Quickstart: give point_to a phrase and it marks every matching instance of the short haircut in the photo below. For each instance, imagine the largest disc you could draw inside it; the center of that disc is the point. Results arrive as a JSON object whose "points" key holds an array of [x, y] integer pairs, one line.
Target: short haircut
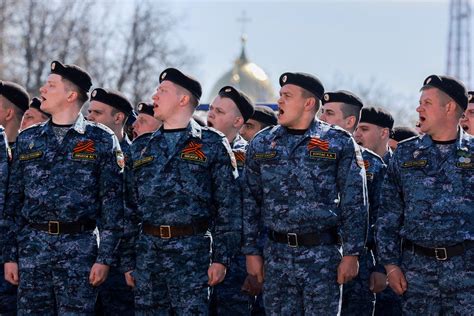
{"points": [[192, 99], [307, 94], [7, 104], [351, 110], [82, 96], [115, 111]]}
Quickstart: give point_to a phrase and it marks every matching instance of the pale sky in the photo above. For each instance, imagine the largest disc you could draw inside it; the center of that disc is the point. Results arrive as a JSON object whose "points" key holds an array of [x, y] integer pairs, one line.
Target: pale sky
{"points": [[397, 43]]}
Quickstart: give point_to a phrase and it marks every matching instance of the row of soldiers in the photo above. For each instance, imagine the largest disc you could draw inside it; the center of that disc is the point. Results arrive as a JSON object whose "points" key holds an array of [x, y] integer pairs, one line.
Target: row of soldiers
{"points": [[291, 206]]}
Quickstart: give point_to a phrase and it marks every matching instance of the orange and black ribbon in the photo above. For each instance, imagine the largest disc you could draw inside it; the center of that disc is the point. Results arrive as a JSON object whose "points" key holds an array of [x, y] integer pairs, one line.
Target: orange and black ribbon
{"points": [[318, 143], [84, 146], [194, 148]]}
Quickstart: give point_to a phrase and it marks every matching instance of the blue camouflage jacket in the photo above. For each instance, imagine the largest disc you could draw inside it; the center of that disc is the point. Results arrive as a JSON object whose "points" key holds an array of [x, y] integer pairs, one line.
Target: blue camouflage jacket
{"points": [[317, 184], [427, 197], [79, 179], [4, 160], [198, 181]]}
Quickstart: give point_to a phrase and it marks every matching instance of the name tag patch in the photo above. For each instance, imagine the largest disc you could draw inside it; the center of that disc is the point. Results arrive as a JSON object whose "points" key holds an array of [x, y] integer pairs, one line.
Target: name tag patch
{"points": [[465, 165], [321, 155], [414, 163], [193, 157], [84, 156], [264, 156], [31, 155], [141, 162]]}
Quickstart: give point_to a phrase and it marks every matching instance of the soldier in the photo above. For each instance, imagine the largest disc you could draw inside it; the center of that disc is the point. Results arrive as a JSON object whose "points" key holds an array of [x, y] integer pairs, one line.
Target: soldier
{"points": [[33, 115], [261, 118], [467, 119], [373, 131], [426, 209], [14, 101], [145, 122], [65, 180], [305, 180], [186, 179], [400, 133], [112, 109], [7, 291], [342, 108], [228, 112]]}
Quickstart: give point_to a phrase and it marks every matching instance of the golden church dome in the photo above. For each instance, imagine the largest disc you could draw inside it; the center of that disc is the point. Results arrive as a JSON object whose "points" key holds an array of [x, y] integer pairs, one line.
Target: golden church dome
{"points": [[248, 77]]}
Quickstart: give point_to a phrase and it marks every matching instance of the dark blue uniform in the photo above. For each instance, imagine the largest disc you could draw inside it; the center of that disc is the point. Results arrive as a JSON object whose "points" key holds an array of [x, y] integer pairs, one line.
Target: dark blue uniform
{"points": [[56, 187], [185, 180], [427, 201], [304, 184]]}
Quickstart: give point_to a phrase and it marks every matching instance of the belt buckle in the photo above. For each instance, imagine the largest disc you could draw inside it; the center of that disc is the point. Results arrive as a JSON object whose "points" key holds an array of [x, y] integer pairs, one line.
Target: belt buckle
{"points": [[443, 256], [165, 231], [53, 224], [292, 240]]}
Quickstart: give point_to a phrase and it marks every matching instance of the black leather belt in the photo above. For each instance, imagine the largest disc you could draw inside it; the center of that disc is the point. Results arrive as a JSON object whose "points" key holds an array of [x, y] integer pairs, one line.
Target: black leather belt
{"points": [[439, 253], [329, 237], [167, 231], [56, 228]]}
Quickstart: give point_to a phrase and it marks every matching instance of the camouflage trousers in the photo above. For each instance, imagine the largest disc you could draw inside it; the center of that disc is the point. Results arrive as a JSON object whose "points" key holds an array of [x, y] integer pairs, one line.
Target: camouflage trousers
{"points": [[438, 287], [301, 280], [357, 298], [227, 297], [54, 273], [7, 297], [115, 296], [171, 275], [388, 303]]}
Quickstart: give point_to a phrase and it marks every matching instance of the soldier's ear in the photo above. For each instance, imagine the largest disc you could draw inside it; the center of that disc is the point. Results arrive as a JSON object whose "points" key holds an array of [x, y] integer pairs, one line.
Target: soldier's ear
{"points": [[72, 96], [310, 104], [119, 118], [184, 99], [238, 121]]}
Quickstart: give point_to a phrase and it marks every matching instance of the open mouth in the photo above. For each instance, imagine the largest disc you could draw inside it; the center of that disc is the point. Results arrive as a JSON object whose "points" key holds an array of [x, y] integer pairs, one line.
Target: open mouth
{"points": [[209, 123], [465, 127], [422, 119]]}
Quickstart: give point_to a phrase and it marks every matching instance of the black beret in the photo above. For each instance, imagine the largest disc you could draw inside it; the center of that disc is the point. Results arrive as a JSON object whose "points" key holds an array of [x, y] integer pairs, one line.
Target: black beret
{"points": [[242, 101], [400, 133], [265, 115], [470, 97], [376, 116], [188, 83], [16, 94], [342, 96], [305, 81], [73, 73], [112, 98], [449, 85], [145, 108], [35, 103], [131, 118]]}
